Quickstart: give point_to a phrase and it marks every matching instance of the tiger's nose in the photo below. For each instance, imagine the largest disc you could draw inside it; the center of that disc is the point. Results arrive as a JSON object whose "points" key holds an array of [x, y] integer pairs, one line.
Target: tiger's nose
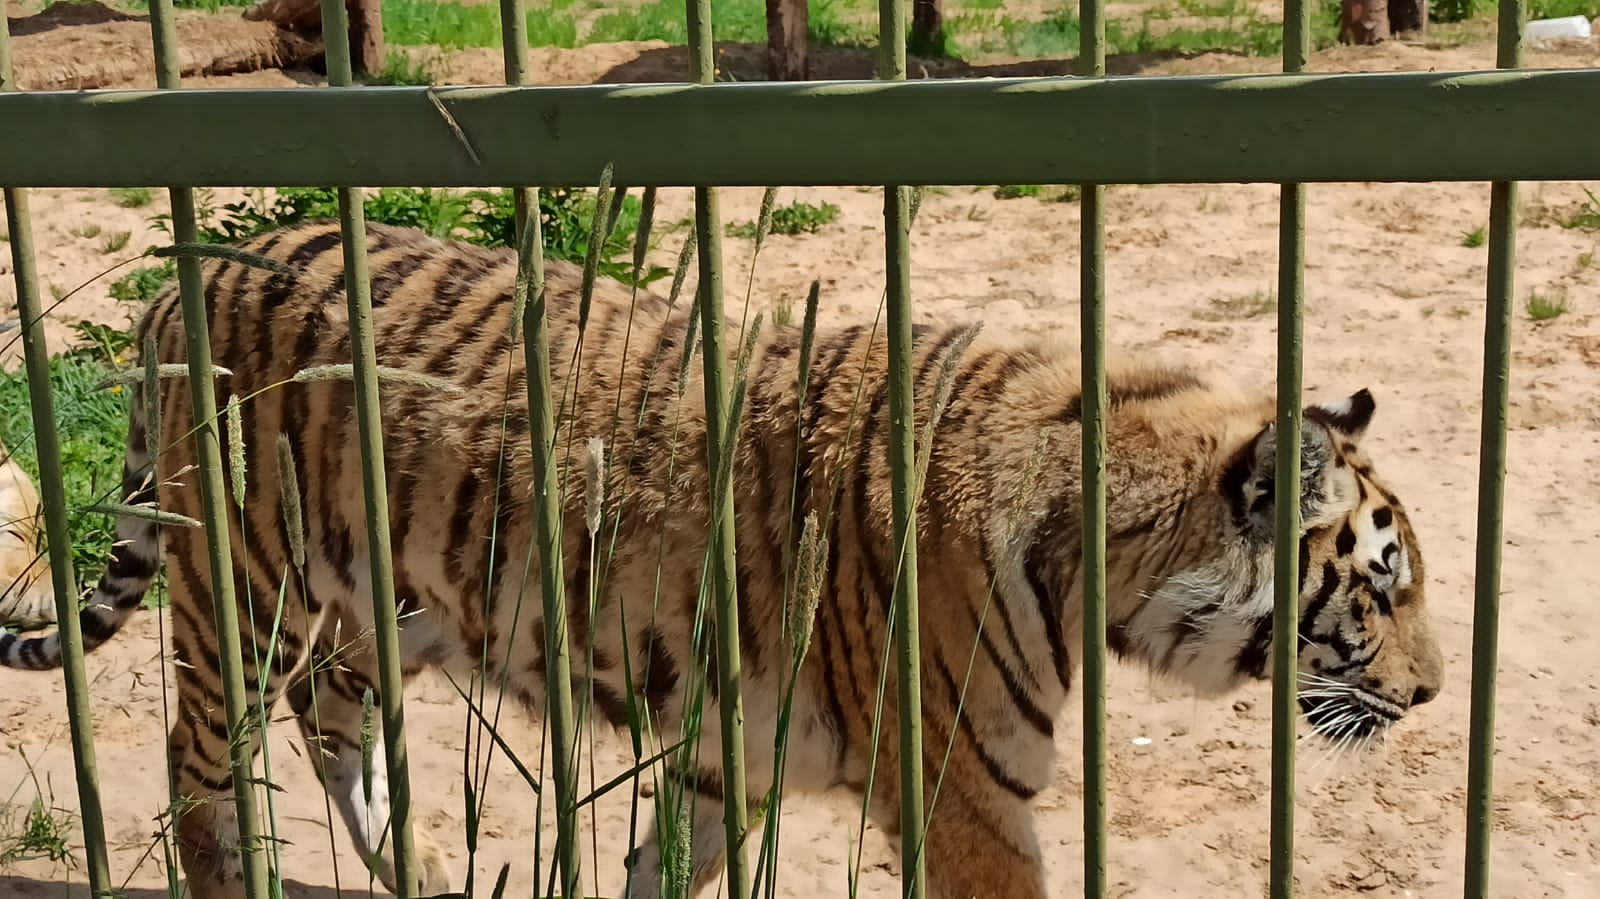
{"points": [[1423, 694]]}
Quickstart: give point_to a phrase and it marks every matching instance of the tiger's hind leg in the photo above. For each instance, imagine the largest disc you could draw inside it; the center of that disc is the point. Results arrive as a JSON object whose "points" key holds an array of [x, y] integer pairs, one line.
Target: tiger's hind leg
{"points": [[206, 814], [810, 766], [973, 848], [328, 706]]}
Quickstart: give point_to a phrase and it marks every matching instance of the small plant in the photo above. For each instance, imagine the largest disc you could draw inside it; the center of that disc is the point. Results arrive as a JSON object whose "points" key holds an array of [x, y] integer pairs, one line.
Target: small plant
{"points": [[57, 292], [143, 284], [1542, 308], [1017, 191], [133, 197], [86, 232], [115, 241], [1587, 218], [1586, 259], [92, 426], [783, 312], [791, 220], [1239, 307], [110, 343], [1473, 239], [40, 832], [406, 69]]}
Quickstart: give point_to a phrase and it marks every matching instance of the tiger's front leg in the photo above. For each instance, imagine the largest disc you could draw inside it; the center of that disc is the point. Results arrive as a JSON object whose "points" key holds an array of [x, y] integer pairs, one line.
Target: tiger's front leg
{"points": [[327, 704]]}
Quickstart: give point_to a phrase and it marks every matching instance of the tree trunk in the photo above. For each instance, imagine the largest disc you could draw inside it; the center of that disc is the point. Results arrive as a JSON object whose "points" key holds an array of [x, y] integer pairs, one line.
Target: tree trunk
{"points": [[788, 23], [366, 35], [304, 17], [1363, 21], [1408, 15], [927, 28]]}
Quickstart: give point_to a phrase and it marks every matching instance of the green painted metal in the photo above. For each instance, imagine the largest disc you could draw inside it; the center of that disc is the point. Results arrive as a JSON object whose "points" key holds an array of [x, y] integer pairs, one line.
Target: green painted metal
{"points": [[1500, 293], [901, 453], [721, 546], [1286, 596], [1286, 559], [36, 357], [52, 490], [1526, 125], [208, 450], [374, 484], [547, 490], [1094, 402], [548, 487]]}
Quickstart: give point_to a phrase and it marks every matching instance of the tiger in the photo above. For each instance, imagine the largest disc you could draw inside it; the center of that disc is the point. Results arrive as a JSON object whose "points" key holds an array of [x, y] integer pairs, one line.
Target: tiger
{"points": [[1189, 517]]}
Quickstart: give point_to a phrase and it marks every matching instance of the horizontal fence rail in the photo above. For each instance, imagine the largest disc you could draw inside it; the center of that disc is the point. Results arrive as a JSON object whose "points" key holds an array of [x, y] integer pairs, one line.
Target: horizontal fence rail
{"points": [[1477, 126]]}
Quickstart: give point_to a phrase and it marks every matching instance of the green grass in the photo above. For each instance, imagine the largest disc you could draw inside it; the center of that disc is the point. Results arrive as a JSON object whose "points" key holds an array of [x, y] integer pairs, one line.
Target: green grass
{"points": [[92, 424], [791, 220], [133, 197], [37, 829], [1544, 307], [1587, 218], [406, 70], [1017, 191], [1240, 307], [455, 25], [1473, 239], [114, 241]]}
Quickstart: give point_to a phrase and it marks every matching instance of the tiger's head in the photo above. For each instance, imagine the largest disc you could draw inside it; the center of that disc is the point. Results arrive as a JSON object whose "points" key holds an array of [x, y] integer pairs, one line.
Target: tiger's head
{"points": [[1367, 651]]}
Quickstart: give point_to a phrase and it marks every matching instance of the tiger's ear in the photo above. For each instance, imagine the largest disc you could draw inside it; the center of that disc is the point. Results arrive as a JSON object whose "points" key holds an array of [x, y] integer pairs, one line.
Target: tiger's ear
{"points": [[1249, 482], [1348, 418]]}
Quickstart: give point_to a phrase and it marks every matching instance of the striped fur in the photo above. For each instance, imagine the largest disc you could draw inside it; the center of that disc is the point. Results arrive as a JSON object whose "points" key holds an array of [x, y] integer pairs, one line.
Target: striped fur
{"points": [[1189, 541]]}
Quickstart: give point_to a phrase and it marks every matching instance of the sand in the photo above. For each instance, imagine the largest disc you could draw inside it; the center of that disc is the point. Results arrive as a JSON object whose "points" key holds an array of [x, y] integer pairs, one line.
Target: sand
{"points": [[1394, 303]]}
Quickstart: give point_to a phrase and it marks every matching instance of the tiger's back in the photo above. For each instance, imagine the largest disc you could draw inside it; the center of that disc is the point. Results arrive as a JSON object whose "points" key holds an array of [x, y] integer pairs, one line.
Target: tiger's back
{"points": [[1189, 538]]}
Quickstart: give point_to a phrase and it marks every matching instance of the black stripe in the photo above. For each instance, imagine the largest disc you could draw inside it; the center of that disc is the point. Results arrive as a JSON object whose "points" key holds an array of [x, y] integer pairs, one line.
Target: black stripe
{"points": [[1020, 695], [997, 771], [1041, 566]]}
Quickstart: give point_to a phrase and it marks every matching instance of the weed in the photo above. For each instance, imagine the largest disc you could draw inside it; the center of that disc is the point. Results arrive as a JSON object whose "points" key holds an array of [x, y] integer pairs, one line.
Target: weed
{"points": [[1017, 191], [1586, 259], [86, 232], [783, 312], [401, 68], [42, 832], [796, 218], [143, 284], [1587, 218], [115, 241], [92, 424], [1543, 308], [57, 292], [1473, 239], [1239, 307], [133, 197]]}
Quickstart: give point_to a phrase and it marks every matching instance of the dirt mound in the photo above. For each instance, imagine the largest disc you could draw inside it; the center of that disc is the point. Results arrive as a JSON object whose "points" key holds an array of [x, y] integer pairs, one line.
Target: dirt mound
{"points": [[77, 46]]}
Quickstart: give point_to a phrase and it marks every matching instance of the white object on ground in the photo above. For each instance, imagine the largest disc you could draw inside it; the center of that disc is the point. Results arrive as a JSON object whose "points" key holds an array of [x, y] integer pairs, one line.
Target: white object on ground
{"points": [[1564, 28]]}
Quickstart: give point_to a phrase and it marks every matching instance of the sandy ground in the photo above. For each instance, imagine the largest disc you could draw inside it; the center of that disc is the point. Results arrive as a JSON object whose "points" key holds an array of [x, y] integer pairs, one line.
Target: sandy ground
{"points": [[1395, 303]]}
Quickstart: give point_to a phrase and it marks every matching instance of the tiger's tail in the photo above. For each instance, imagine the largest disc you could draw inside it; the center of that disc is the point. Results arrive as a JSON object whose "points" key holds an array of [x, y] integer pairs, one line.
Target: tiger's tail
{"points": [[132, 568]]}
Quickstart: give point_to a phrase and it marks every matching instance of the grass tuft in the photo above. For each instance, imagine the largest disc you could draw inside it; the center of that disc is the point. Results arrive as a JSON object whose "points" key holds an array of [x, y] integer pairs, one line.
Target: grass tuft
{"points": [[791, 220], [1544, 307]]}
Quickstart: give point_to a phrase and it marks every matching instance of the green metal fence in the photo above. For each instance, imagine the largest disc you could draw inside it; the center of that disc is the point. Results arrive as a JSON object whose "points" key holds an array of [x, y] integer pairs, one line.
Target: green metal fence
{"points": [[1499, 126]]}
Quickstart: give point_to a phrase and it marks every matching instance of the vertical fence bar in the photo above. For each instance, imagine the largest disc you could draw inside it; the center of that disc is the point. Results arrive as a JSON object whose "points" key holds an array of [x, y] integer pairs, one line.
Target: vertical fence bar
{"points": [[721, 545], [1286, 580], [1094, 400], [902, 468], [374, 480], [52, 489], [1500, 290], [208, 450], [547, 486]]}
